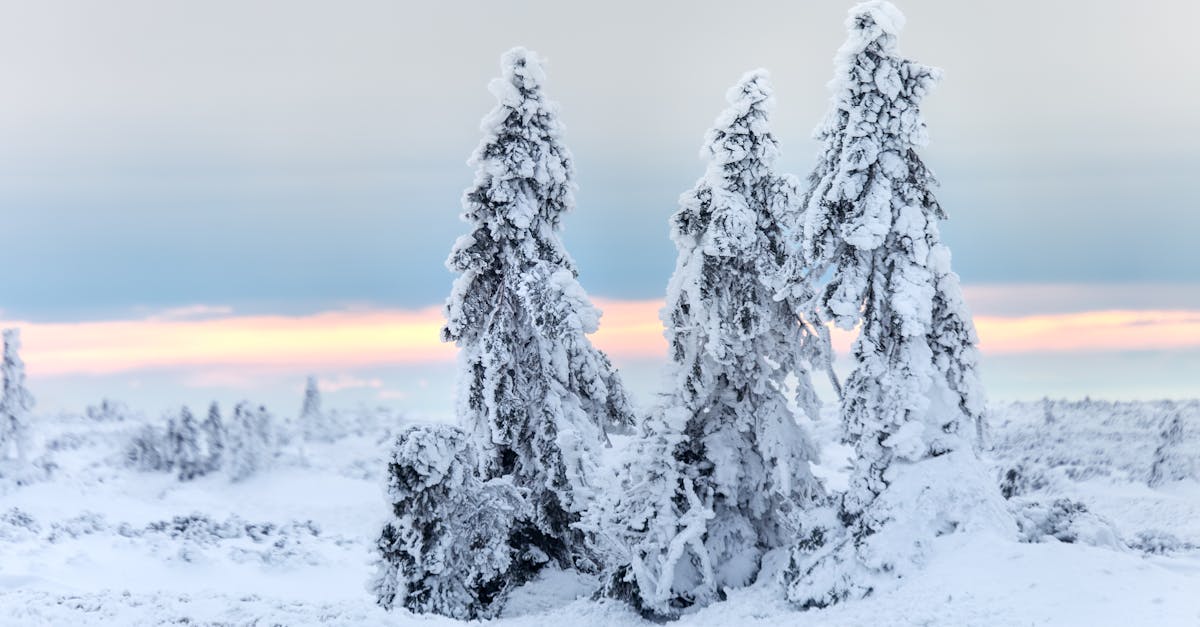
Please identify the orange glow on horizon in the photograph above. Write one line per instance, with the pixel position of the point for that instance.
(377, 337)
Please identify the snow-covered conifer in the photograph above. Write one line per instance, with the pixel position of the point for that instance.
(312, 419)
(16, 401)
(172, 441)
(107, 410)
(445, 548)
(186, 453)
(1048, 411)
(914, 395)
(148, 450)
(723, 469)
(249, 442)
(1171, 460)
(533, 391)
(214, 438)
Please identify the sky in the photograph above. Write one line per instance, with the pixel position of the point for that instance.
(211, 200)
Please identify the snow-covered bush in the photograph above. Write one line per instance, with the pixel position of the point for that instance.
(445, 549)
(1020, 481)
(532, 389)
(913, 403)
(1158, 542)
(18, 525)
(723, 466)
(86, 523)
(1064, 520)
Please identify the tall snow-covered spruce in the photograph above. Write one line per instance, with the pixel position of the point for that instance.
(722, 471)
(914, 397)
(534, 393)
(16, 401)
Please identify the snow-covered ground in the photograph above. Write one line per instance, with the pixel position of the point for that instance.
(85, 540)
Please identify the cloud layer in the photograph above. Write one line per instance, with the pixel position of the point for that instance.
(354, 339)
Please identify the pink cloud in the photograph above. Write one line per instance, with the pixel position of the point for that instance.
(229, 350)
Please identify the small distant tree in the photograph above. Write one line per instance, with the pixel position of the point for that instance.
(312, 420)
(148, 450)
(533, 391)
(214, 438)
(107, 410)
(250, 444)
(1171, 461)
(1048, 411)
(908, 407)
(16, 402)
(445, 548)
(186, 454)
(172, 442)
(723, 468)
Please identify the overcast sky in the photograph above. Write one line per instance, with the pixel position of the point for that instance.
(302, 155)
(298, 157)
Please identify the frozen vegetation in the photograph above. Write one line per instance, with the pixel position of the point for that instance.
(90, 540)
(737, 496)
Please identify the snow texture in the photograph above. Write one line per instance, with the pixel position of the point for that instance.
(534, 393)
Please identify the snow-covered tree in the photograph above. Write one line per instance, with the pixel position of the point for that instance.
(1171, 459)
(533, 391)
(149, 450)
(185, 441)
(107, 410)
(723, 469)
(914, 395)
(16, 402)
(1048, 411)
(214, 438)
(445, 548)
(249, 445)
(171, 442)
(312, 419)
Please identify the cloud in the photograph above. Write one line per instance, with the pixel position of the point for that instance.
(1090, 332)
(226, 350)
(319, 342)
(1024, 299)
(191, 312)
(225, 378)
